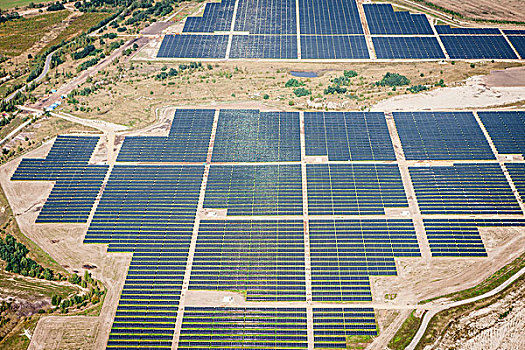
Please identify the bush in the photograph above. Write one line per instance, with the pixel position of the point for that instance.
(56, 7)
(266, 96)
(350, 73)
(83, 53)
(417, 88)
(294, 83)
(334, 89)
(299, 92)
(393, 79)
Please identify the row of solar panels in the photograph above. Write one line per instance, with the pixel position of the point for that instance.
(253, 136)
(342, 47)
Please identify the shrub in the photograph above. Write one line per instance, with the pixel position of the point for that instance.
(393, 79)
(294, 83)
(299, 92)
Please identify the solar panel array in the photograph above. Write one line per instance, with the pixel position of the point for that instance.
(344, 253)
(517, 173)
(460, 237)
(150, 211)
(255, 189)
(465, 188)
(383, 20)
(257, 246)
(188, 140)
(506, 129)
(217, 17)
(321, 17)
(348, 136)
(254, 136)
(268, 29)
(477, 47)
(441, 136)
(193, 46)
(243, 328)
(77, 183)
(263, 259)
(332, 326)
(354, 189)
(397, 47)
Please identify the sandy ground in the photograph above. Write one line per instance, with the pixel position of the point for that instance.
(475, 93)
(510, 10)
(510, 77)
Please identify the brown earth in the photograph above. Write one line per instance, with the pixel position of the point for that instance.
(503, 10)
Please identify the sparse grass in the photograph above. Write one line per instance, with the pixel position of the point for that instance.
(16, 340)
(30, 288)
(405, 333)
(19, 35)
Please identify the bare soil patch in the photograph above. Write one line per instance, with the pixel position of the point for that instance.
(503, 10)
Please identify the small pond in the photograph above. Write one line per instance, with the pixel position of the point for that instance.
(304, 74)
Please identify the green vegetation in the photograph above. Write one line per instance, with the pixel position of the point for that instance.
(335, 89)
(84, 52)
(299, 92)
(21, 34)
(405, 333)
(294, 83)
(393, 79)
(15, 255)
(417, 88)
(57, 6)
(8, 4)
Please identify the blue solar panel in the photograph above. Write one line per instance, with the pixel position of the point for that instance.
(407, 48)
(193, 46)
(348, 136)
(514, 31)
(217, 16)
(266, 17)
(517, 173)
(333, 47)
(460, 237)
(264, 46)
(519, 44)
(329, 17)
(462, 189)
(382, 19)
(248, 135)
(188, 140)
(448, 30)
(477, 47)
(344, 253)
(264, 259)
(441, 136)
(506, 129)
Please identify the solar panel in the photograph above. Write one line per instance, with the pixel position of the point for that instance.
(77, 183)
(460, 237)
(518, 41)
(188, 140)
(243, 328)
(334, 47)
(332, 326)
(382, 19)
(264, 46)
(348, 136)
(466, 188)
(354, 189)
(255, 189)
(517, 173)
(248, 135)
(193, 46)
(266, 17)
(407, 48)
(344, 253)
(514, 31)
(506, 129)
(329, 17)
(217, 16)
(441, 136)
(477, 47)
(448, 30)
(263, 259)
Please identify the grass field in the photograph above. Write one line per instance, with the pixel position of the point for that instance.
(7, 4)
(19, 35)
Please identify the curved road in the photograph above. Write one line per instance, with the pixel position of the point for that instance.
(428, 316)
